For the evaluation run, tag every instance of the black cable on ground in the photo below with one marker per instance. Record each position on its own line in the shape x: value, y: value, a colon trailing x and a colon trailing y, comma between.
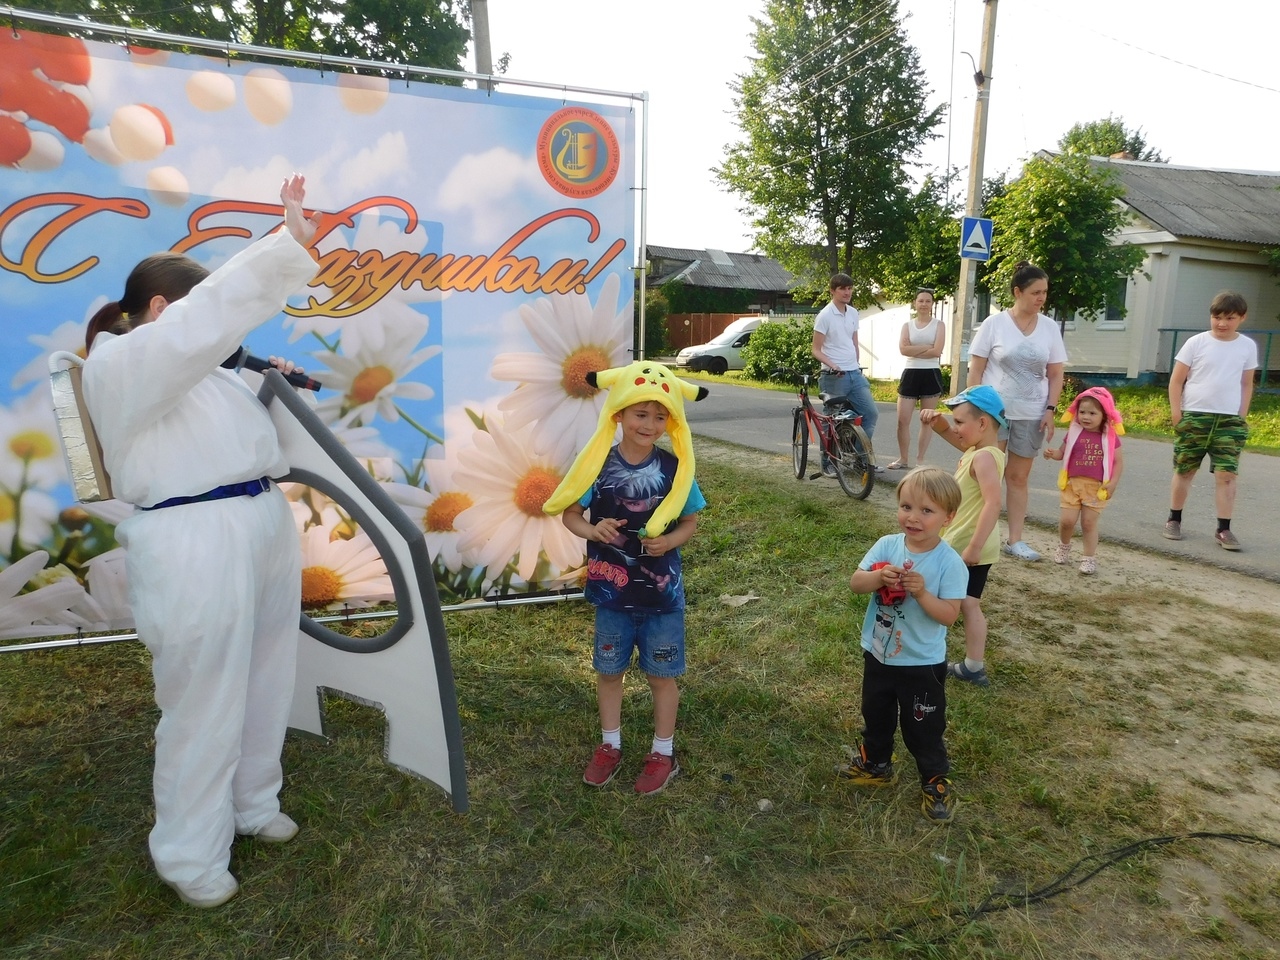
x: 1078, y: 874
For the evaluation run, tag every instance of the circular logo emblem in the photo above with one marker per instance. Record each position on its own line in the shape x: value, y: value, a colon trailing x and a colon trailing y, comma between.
x: 578, y: 152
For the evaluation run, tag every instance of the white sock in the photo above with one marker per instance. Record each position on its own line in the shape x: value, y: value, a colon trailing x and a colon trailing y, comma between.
x: 613, y: 738
x: 664, y: 745
x: 973, y: 666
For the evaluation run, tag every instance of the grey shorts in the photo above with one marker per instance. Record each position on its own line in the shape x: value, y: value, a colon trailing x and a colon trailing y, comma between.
x: 1024, y: 436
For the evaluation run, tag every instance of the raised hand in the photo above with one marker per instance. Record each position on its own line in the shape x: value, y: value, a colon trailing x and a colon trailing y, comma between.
x: 292, y: 192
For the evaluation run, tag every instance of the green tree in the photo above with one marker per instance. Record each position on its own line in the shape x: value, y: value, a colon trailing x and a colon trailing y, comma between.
x: 832, y: 113
x: 431, y: 33
x: 782, y: 344
x: 656, y: 311
x: 1062, y: 215
x: 1104, y: 138
x: 682, y: 298
x: 929, y: 254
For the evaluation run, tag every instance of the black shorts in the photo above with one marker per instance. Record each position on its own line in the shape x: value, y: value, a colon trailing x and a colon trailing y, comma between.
x: 917, y: 383
x: 977, y: 580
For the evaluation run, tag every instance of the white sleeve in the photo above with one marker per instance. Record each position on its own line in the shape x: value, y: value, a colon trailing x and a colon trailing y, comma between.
x: 984, y: 340
x: 140, y: 376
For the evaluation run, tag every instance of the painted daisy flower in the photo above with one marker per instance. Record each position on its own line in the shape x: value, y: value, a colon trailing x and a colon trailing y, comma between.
x: 338, y: 572
x: 554, y: 395
x: 83, y: 611
x: 19, y: 615
x: 33, y: 514
x: 435, y: 510
x: 109, y: 585
x: 364, y: 444
x: 368, y: 381
x: 510, y: 483
x: 30, y: 450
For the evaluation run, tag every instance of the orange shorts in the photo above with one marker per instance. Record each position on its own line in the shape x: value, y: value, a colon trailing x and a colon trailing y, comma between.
x: 1082, y: 492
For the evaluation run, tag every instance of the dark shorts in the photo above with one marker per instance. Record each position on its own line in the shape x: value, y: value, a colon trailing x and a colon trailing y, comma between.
x: 658, y: 635
x: 1220, y: 435
x: 977, y: 580
x: 918, y: 384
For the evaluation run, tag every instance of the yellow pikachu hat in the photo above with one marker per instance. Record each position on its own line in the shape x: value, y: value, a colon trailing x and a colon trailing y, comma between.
x: 635, y: 383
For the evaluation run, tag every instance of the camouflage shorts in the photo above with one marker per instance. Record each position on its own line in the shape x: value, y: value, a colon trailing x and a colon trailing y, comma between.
x: 1220, y: 435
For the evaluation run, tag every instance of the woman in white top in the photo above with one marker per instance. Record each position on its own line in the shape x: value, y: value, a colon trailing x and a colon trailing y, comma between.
x: 1019, y: 352
x: 921, y: 342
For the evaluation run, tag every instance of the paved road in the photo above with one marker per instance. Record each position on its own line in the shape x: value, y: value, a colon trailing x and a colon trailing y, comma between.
x: 761, y: 419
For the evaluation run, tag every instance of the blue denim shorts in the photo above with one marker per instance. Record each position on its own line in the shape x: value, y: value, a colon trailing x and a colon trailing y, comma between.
x: 658, y: 635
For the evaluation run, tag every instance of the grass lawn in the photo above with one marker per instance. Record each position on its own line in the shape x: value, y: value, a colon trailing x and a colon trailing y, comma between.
x: 1114, y: 717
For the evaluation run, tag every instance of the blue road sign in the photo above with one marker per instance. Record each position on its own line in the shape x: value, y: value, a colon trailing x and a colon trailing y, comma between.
x: 975, y: 239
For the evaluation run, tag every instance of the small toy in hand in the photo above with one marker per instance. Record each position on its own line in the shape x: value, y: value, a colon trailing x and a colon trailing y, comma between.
x: 891, y: 595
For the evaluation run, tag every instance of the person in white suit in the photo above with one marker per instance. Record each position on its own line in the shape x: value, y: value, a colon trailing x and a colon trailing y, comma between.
x: 212, y: 554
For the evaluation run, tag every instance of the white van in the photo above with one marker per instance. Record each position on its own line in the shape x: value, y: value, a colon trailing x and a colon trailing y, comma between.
x: 724, y: 352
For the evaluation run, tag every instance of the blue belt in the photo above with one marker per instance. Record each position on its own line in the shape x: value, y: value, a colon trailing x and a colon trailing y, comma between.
x: 250, y: 488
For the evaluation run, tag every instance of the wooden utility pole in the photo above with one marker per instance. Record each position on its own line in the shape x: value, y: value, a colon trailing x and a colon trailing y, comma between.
x: 962, y: 316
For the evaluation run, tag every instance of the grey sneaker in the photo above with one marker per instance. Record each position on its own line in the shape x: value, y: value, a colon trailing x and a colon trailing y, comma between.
x: 977, y: 677
x: 1227, y: 540
x: 1022, y: 550
x: 1173, y: 530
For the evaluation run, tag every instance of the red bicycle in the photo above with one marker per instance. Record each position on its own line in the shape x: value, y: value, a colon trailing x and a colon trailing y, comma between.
x: 839, y: 435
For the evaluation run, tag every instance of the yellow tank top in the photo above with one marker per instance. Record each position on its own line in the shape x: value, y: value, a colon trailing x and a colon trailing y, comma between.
x: 961, y: 530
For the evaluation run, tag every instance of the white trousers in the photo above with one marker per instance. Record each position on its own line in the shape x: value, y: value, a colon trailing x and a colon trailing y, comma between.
x: 215, y: 589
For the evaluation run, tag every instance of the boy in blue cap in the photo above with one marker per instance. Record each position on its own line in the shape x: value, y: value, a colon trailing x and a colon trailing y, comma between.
x: 976, y: 415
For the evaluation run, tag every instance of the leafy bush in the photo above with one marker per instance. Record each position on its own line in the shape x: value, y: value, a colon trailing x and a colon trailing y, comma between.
x: 783, y: 343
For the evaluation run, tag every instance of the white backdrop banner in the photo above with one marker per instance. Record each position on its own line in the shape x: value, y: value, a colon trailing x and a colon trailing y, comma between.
x: 475, y: 262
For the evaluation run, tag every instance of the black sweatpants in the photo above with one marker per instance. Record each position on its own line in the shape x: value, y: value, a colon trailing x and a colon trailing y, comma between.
x: 914, y: 698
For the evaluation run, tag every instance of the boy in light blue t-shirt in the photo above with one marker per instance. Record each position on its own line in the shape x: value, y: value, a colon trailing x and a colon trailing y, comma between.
x: 916, y: 582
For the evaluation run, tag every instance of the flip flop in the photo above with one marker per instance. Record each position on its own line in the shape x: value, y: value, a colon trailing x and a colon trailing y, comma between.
x: 898, y: 465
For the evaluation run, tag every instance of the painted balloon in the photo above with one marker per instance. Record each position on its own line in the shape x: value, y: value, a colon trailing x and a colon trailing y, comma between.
x: 361, y: 94
x: 211, y: 90
x: 168, y: 185
x: 268, y: 95
x: 140, y: 132
x: 46, y: 152
x: 99, y: 145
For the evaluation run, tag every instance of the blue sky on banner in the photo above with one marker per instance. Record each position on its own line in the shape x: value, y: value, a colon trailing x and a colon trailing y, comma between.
x: 1199, y: 81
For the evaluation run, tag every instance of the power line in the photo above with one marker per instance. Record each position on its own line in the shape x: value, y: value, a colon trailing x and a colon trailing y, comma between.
x: 1162, y: 56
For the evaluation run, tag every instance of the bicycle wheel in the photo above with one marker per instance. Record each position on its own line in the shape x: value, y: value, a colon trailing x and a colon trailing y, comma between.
x: 799, y: 443
x: 854, y: 467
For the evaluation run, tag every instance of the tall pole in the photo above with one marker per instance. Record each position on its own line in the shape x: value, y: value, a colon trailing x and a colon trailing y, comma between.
x: 480, y: 40
x: 962, y: 317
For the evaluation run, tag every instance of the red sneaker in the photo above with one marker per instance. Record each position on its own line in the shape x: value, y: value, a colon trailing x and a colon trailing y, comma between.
x: 657, y: 773
x: 603, y: 765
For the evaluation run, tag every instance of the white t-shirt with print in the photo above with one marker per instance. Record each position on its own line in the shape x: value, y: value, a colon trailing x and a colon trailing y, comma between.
x: 1016, y: 362
x: 1217, y: 370
x: 841, y: 333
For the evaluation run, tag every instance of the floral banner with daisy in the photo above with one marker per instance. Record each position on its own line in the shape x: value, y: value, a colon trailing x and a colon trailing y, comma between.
x: 475, y: 262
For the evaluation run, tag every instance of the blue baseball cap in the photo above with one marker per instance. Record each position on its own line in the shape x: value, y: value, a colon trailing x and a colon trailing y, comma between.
x: 983, y: 397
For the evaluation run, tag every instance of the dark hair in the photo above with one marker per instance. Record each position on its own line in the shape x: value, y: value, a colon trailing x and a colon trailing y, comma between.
x: 1025, y: 274
x: 169, y: 275
x: 1228, y: 301
x: 840, y: 280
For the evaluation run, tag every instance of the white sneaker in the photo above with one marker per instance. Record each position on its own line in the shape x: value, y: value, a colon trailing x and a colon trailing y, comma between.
x: 278, y: 829
x: 212, y: 894
x: 1062, y: 553
x: 1021, y: 550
